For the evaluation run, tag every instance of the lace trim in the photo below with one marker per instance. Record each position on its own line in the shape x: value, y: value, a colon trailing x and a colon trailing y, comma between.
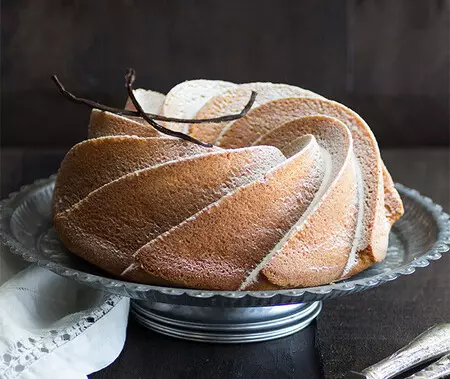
x: 21, y: 354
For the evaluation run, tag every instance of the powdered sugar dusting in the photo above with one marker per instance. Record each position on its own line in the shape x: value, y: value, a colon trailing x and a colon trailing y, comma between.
x: 253, y: 275
x: 360, y: 218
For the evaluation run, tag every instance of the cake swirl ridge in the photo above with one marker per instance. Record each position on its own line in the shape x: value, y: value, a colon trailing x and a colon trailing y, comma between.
x: 293, y: 194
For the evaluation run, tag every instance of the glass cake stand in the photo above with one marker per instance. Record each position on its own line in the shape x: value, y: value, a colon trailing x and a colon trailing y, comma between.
x: 420, y: 236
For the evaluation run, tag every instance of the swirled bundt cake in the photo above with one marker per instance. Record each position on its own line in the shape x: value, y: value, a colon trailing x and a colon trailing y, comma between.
x: 292, y: 194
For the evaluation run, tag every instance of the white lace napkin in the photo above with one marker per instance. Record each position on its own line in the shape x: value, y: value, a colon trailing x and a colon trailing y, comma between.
x: 52, y: 327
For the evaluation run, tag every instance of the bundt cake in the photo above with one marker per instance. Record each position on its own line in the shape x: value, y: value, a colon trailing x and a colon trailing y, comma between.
x: 292, y: 194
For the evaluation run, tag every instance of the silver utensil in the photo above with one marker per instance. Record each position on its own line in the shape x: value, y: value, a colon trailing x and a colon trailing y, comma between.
x: 432, y: 344
x: 437, y: 370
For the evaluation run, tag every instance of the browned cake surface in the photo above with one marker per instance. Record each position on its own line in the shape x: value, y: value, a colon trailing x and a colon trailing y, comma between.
x: 95, y: 162
x: 108, y: 124
x: 112, y: 222
x: 229, y: 238
x: 295, y: 195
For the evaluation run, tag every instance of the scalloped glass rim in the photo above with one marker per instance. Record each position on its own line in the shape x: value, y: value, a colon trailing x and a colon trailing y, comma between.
x: 109, y: 284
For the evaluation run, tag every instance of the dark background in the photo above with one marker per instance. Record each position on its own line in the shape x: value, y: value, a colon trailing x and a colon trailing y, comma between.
x: 386, y: 59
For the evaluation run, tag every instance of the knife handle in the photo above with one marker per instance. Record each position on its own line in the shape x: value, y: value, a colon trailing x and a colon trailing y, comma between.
x: 437, y: 370
x: 433, y: 343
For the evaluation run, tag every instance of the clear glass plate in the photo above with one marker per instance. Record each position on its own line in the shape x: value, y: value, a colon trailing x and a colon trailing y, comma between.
x: 420, y: 236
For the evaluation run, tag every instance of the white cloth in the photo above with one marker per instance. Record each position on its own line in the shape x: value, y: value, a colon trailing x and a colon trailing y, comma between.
x: 52, y: 327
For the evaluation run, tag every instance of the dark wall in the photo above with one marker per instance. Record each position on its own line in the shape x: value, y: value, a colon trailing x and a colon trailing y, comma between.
x: 386, y: 59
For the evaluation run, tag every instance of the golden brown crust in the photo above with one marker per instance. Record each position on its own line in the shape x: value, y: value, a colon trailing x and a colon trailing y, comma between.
x: 224, y: 218
x: 267, y: 117
x: 234, y: 100
x: 103, y: 124
x: 95, y: 162
x: 317, y: 250
x: 218, y: 246
x: 112, y: 222
x: 393, y: 210
x: 392, y: 201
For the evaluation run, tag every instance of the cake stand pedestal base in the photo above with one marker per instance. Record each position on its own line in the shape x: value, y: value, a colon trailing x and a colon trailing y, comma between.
x: 225, y: 325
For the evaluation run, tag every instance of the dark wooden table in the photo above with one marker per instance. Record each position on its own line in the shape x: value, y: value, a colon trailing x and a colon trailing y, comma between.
x: 351, y: 332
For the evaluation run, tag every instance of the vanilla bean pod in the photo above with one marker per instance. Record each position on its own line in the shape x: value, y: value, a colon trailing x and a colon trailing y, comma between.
x: 129, y: 80
x: 126, y: 112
